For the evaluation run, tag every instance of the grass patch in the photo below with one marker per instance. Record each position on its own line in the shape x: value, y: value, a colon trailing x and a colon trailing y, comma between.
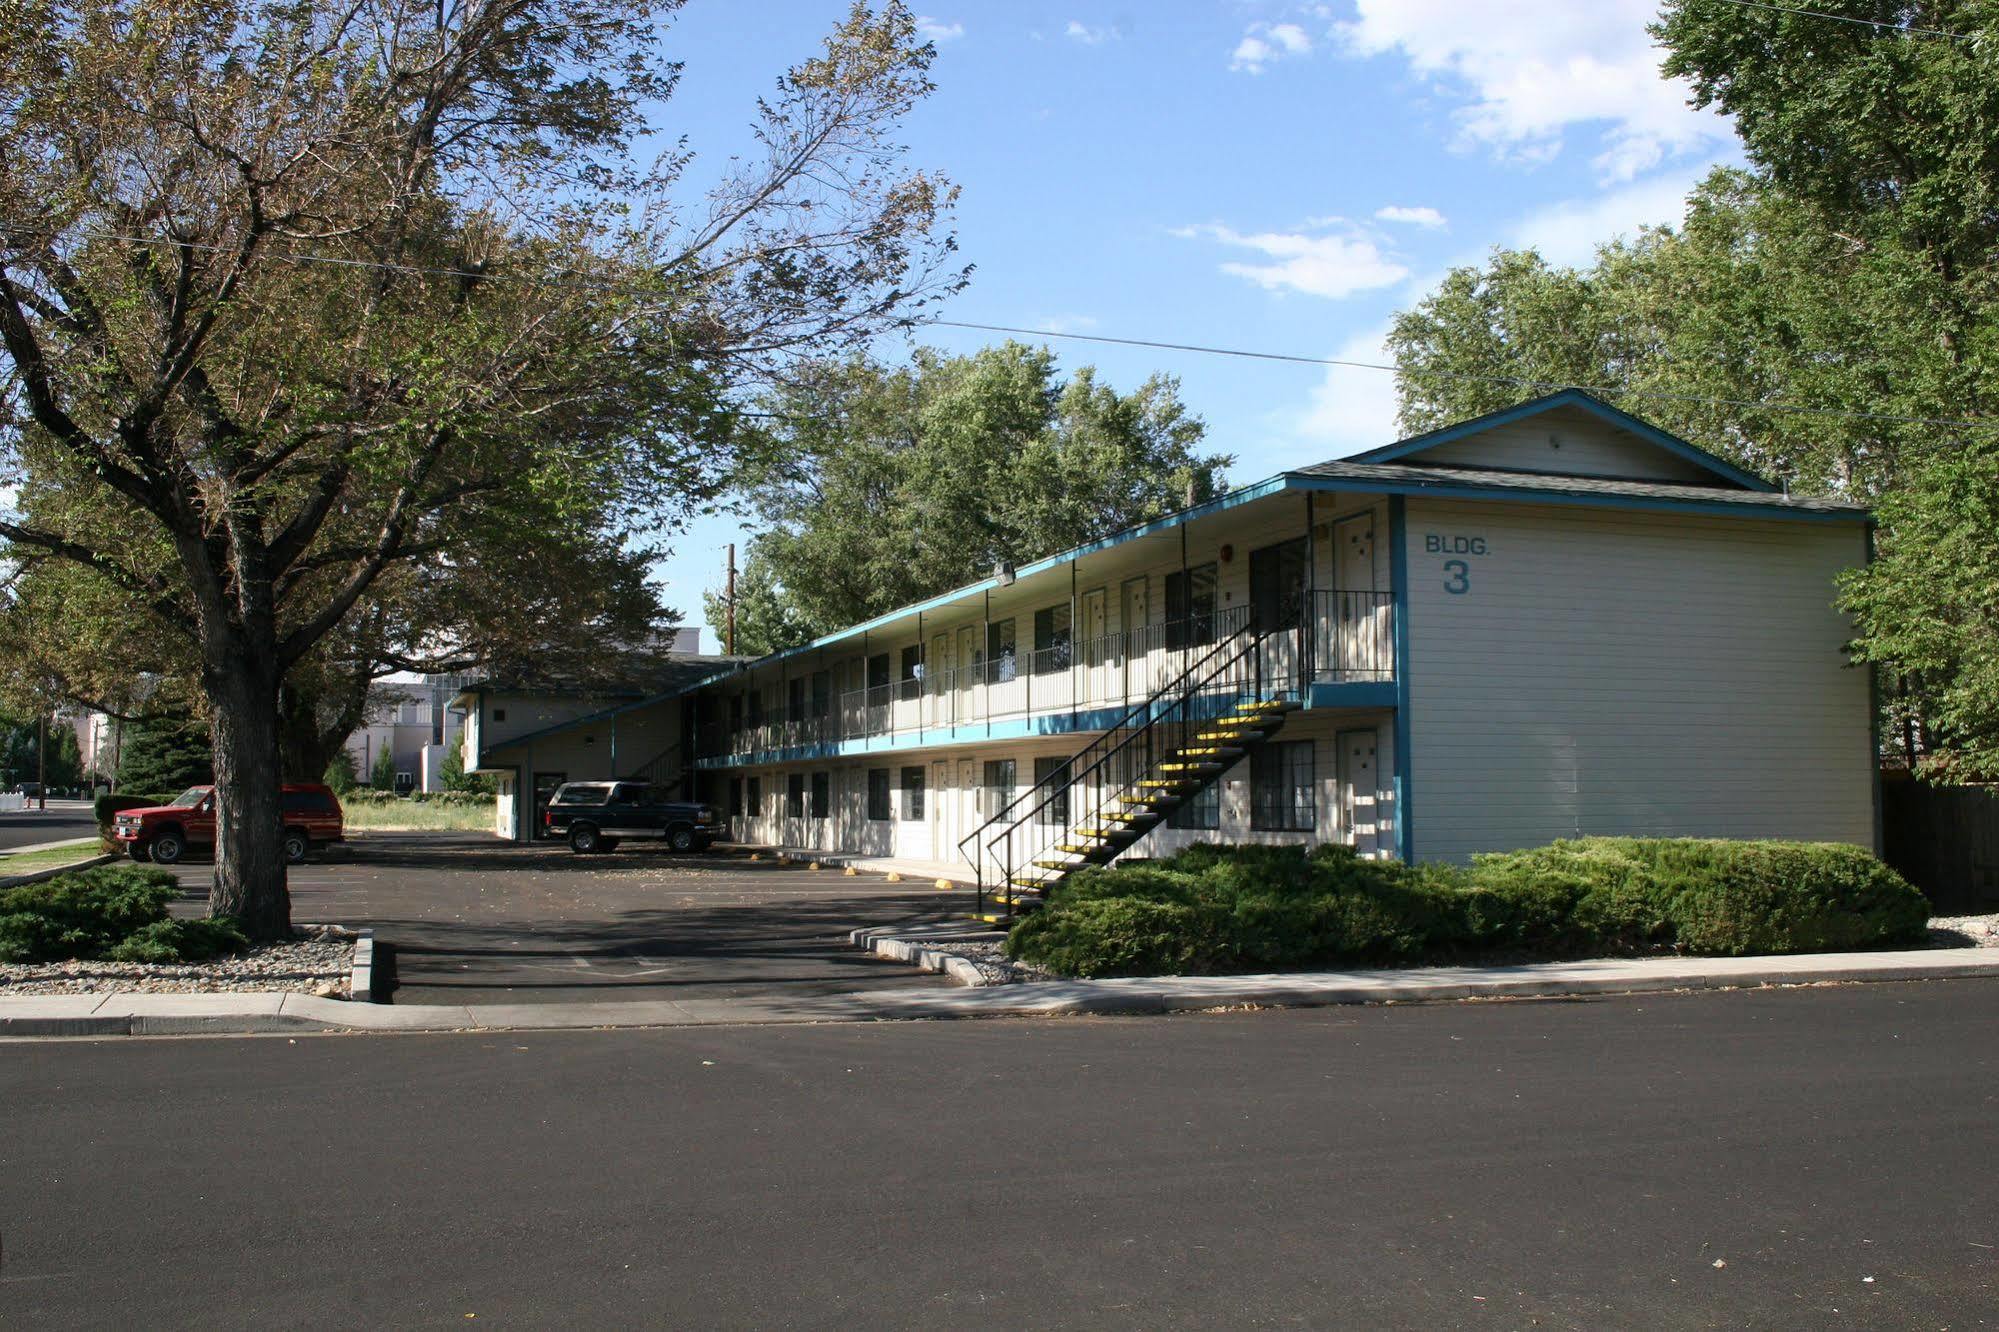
x: 419, y: 815
x: 1216, y: 910
x: 27, y: 862
x: 117, y: 912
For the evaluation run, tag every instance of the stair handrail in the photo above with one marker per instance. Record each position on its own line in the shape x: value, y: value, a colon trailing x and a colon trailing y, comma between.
x: 1254, y: 644
x: 1136, y: 724
x: 1240, y: 614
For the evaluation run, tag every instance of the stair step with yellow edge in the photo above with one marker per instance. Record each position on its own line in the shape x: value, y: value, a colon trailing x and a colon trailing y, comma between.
x: 1081, y: 848
x: 1196, y: 767
x: 1143, y: 799
x: 1165, y: 784
x: 1213, y: 752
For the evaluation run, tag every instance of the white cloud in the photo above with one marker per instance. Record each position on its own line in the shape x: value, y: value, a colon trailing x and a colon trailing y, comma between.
x: 1334, y: 266
x: 937, y: 30
x: 1351, y: 409
x: 1088, y: 36
x: 1569, y: 232
x: 1266, y: 42
x: 1067, y: 323
x: 1533, y: 68
x: 1414, y: 217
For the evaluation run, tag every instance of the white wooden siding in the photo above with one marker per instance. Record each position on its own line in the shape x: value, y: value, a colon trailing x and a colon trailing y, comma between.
x: 1569, y: 442
x: 1616, y: 672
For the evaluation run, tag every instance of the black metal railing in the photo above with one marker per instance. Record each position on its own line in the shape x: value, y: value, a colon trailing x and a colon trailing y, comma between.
x: 1348, y: 636
x: 1353, y: 636
x: 1083, y: 793
x: 663, y: 769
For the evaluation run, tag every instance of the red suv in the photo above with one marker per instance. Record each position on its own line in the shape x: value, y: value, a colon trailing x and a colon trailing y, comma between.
x: 165, y: 833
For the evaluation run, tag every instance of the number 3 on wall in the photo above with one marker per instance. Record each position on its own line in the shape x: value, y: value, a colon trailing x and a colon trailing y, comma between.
x: 1459, y: 581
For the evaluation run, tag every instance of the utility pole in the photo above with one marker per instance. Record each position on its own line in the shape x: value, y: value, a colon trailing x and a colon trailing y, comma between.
x: 730, y: 647
x: 42, y: 760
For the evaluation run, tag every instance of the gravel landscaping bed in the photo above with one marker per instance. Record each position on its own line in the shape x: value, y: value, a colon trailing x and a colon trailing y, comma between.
x: 1965, y: 931
x: 990, y: 961
x: 319, y: 961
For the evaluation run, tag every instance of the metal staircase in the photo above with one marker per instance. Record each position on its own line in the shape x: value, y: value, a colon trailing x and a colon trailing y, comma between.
x: 664, y: 769
x: 1098, y: 804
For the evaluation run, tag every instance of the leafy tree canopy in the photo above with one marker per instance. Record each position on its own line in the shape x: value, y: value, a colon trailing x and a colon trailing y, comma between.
x: 881, y: 486
x: 306, y: 309
x: 1853, y: 269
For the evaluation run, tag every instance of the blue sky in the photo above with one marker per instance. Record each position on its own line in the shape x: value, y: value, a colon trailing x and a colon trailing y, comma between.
x: 1244, y: 173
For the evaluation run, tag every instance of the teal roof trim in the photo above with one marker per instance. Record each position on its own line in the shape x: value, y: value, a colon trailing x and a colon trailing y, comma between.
x: 1240, y: 496
x: 1577, y: 398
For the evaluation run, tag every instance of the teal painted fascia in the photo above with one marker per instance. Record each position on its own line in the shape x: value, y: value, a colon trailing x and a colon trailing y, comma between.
x: 1221, y: 504
x: 1398, y: 582
x: 1587, y: 402
x: 1535, y: 495
x: 1014, y: 728
x: 1354, y: 694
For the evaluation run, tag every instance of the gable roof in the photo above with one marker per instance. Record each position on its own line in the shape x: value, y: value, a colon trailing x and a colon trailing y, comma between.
x: 1477, y: 482
x: 1578, y: 399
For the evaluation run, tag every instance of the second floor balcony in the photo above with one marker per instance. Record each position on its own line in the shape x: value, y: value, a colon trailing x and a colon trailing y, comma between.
x: 1322, y: 638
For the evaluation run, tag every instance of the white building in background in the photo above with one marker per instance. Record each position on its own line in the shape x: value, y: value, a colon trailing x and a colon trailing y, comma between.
x: 1551, y: 621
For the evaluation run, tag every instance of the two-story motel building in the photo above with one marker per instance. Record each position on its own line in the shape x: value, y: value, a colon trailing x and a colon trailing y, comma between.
x: 1555, y: 620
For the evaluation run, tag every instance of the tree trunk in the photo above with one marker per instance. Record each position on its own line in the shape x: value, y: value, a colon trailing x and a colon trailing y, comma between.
x: 249, y: 829
x: 312, y: 728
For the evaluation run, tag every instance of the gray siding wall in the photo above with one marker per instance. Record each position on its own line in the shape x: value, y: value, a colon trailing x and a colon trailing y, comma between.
x: 1618, y: 672
x: 1569, y: 442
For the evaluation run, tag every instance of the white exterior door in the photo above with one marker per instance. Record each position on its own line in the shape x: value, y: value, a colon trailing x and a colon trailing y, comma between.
x: 1093, y: 648
x: 1359, y: 825
x: 1358, y: 650
x: 970, y: 654
x: 1134, y: 616
x: 937, y: 695
x: 943, y: 828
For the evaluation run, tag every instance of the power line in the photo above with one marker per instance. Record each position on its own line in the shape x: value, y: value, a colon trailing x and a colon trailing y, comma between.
x: 1911, y: 29
x: 1547, y: 385
x: 1516, y: 381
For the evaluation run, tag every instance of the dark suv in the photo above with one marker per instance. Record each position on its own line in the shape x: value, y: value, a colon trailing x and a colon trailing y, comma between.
x: 596, y: 816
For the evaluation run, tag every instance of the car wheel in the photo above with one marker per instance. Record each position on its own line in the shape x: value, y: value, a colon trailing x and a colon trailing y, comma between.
x: 167, y: 848
x: 296, y: 845
x: 681, y: 839
x: 137, y: 850
x: 583, y: 840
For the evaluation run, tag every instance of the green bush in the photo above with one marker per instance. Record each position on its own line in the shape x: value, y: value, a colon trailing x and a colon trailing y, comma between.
x: 82, y: 915
x: 1216, y: 909
x: 180, y: 941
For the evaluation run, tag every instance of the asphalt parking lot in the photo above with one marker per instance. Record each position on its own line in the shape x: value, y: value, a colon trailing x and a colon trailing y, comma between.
x: 62, y: 820
x: 469, y: 919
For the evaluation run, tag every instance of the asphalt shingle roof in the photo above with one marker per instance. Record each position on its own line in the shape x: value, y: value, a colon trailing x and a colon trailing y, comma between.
x: 1540, y: 483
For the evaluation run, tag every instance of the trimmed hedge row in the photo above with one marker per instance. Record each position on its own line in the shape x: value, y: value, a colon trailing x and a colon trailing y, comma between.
x: 1213, y: 910
x: 115, y: 912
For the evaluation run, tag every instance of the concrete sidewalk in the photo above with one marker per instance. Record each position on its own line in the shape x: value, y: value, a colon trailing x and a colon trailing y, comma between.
x: 216, y: 1014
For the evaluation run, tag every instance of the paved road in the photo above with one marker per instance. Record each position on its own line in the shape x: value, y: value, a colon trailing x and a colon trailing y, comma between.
x: 1734, y: 1160
x: 471, y: 919
x: 63, y: 819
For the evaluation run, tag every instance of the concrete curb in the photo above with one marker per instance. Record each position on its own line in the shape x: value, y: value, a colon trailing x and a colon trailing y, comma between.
x: 126, y: 1014
x: 907, y: 945
x: 361, y: 979
x: 37, y: 876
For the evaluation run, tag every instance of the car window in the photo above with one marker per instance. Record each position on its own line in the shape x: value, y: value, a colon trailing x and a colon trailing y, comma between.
x: 629, y: 794
x: 308, y: 802
x: 189, y: 799
x: 581, y: 793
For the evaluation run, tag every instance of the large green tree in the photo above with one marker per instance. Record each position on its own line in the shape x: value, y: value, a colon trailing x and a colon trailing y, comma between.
x: 879, y: 486
x: 1829, y: 317
x: 294, y: 297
